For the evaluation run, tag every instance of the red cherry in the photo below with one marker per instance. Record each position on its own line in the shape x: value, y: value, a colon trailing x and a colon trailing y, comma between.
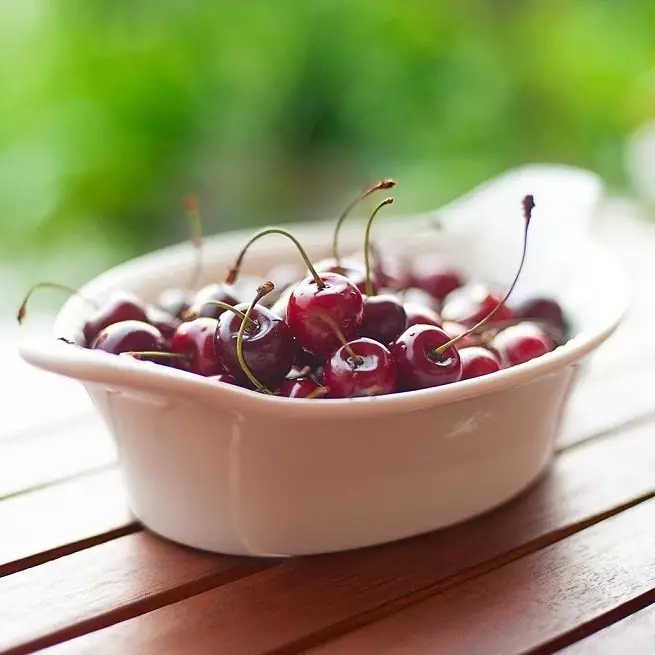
x: 349, y: 268
x: 122, y: 306
x: 213, y: 292
x: 477, y: 361
x: 436, y: 278
x: 196, y: 340
x: 339, y: 300
x: 420, y: 364
x: 225, y: 378
x: 269, y: 348
x: 420, y: 315
x: 129, y: 336
x: 163, y: 321
x: 547, y: 310
x: 384, y: 318
x: 470, y: 304
x: 363, y: 367
x: 301, y: 387
x: 521, y: 343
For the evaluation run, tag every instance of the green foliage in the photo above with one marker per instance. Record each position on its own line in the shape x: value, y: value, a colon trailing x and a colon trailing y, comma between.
x: 112, y: 110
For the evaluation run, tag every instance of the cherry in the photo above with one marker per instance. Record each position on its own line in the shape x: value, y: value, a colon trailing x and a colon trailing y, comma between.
x: 225, y: 378
x: 470, y: 304
x: 174, y: 302
x: 129, y: 336
x: 122, y: 306
x: 477, y: 361
x: 544, y: 310
x: 520, y: 343
x: 420, y: 362
x: 384, y: 318
x: 420, y: 315
x: 301, y: 387
x: 163, y: 321
x: 202, y: 302
x: 362, y: 367
x: 258, y: 346
x: 195, y: 339
x: 436, y: 279
x: 349, y: 268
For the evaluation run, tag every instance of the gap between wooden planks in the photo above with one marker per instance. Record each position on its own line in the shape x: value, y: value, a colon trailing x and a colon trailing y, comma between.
x: 309, y: 600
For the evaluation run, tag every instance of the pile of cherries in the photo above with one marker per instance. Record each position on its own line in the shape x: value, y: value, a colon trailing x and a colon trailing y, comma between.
x: 350, y: 328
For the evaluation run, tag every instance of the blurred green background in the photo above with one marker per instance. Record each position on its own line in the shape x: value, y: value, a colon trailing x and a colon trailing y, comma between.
x: 112, y: 110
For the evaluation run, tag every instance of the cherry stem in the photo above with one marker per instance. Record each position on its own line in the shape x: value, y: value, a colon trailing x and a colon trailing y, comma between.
x: 190, y: 315
x: 384, y: 183
x: 195, y: 232
x: 528, y: 206
x: 233, y: 273
x: 262, y: 291
x: 367, y: 246
x: 20, y: 314
x: 148, y: 354
x: 321, y: 316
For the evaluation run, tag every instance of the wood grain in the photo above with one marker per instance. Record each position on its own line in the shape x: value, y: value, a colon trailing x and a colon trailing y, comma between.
x: 531, y: 604
x: 47, y: 523
x: 98, y: 586
x: 303, y: 601
x: 634, y: 635
x: 70, y: 448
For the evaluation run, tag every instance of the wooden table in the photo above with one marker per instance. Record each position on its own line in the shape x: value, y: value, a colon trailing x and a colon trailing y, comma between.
x: 570, y: 564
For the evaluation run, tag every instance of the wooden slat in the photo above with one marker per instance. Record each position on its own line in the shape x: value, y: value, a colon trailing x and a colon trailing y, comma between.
x: 47, y: 523
x: 634, y: 635
x: 99, y: 586
x: 309, y: 599
x: 73, y: 447
x: 539, y: 602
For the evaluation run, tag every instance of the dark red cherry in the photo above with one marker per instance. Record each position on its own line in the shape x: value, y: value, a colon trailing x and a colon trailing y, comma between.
x: 349, y: 268
x: 420, y: 315
x: 362, y: 368
x: 174, y: 302
x: 225, y: 378
x: 469, y: 305
x: 455, y: 329
x: 419, y: 364
x: 196, y: 340
x: 163, y: 321
x: 129, y: 336
x: 339, y: 300
x: 477, y: 361
x: 521, y: 343
x: 305, y: 359
x: 436, y: 278
x: 547, y: 310
x: 220, y: 292
x: 301, y: 387
x: 384, y: 318
x: 122, y: 306
x: 269, y: 347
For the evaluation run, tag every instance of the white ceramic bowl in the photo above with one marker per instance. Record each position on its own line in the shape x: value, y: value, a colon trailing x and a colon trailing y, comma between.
x: 224, y: 469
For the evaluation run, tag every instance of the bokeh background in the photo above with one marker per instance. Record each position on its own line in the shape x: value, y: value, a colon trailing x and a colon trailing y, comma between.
x: 276, y: 111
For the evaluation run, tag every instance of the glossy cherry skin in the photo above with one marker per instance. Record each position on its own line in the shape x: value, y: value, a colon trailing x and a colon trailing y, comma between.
x: 225, y: 378
x: 418, y: 365
x: 520, y: 343
x: 221, y: 292
x: 174, y: 302
x: 471, y: 304
x: 384, y: 318
x: 339, y: 299
x: 269, y: 347
x: 121, y: 306
x: 547, y: 310
x: 437, y: 279
x: 349, y: 268
x: 477, y: 361
x: 373, y: 374
x: 129, y: 336
x: 420, y: 315
x: 196, y: 340
x: 301, y: 387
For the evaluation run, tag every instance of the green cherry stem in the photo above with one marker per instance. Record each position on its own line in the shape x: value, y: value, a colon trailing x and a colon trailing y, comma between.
x: 384, y: 183
x: 321, y: 316
x: 233, y: 273
x: 528, y: 206
x: 262, y: 291
x: 367, y: 245
x: 20, y: 314
x: 195, y: 232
